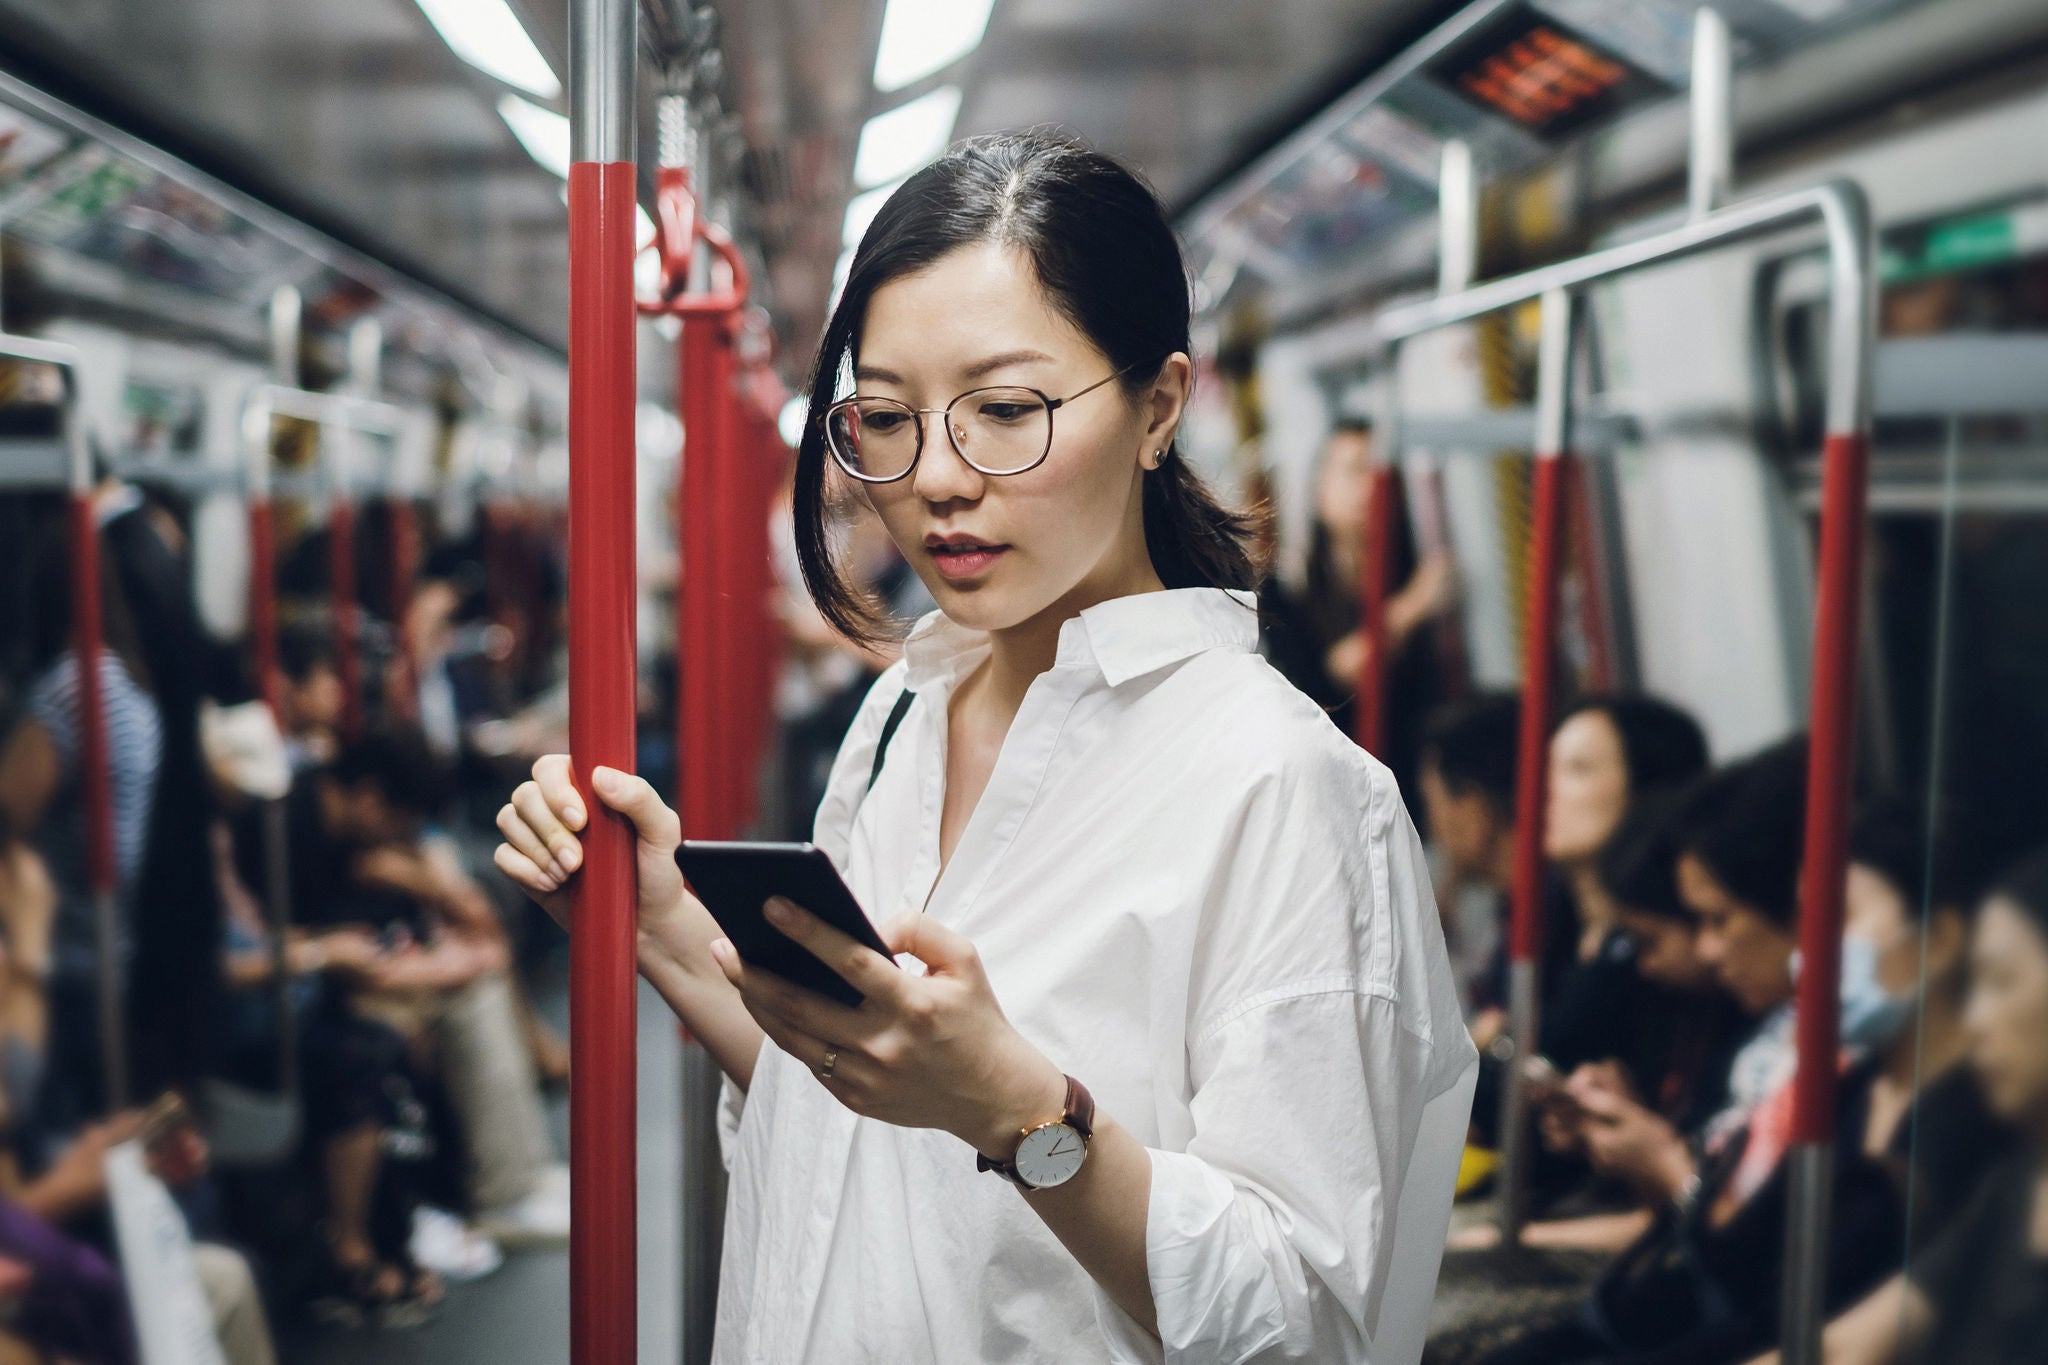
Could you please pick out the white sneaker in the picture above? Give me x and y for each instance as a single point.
(441, 1243)
(539, 1220)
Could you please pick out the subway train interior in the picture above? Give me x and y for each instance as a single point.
(1626, 421)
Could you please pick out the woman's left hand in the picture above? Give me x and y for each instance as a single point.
(930, 1051)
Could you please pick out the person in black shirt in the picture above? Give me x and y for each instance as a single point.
(1979, 1294)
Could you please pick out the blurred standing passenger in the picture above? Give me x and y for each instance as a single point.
(41, 795)
(1314, 634)
(1467, 782)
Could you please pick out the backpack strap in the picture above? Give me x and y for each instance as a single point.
(889, 727)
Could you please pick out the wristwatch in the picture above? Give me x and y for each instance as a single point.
(1051, 1153)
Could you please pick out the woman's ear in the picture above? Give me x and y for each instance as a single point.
(1165, 404)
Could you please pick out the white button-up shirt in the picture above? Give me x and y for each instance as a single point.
(1189, 890)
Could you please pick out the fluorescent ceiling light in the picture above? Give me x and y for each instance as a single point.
(487, 35)
(894, 144)
(860, 211)
(922, 36)
(543, 132)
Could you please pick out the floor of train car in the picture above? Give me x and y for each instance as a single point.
(520, 1314)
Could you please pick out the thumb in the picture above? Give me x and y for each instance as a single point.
(630, 795)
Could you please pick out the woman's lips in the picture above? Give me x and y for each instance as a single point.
(965, 561)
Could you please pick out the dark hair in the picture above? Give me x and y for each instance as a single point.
(400, 765)
(1890, 836)
(2026, 886)
(301, 649)
(1661, 745)
(1350, 425)
(1107, 259)
(1747, 824)
(1639, 865)
(1472, 743)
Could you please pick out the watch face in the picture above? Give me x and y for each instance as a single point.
(1050, 1155)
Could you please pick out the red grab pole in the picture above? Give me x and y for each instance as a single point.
(1376, 572)
(706, 756)
(1539, 667)
(603, 664)
(263, 656)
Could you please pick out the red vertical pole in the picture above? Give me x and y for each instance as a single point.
(1376, 571)
(1539, 671)
(729, 474)
(603, 665)
(1830, 759)
(1845, 478)
(698, 781)
(95, 784)
(403, 550)
(341, 592)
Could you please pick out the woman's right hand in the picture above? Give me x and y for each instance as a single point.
(543, 855)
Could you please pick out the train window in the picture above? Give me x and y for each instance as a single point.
(1955, 693)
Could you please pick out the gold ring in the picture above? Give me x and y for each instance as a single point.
(831, 1060)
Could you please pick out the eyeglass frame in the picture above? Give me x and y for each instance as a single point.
(917, 415)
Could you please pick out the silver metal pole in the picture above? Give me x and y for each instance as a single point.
(286, 308)
(1806, 1253)
(603, 50)
(1711, 162)
(366, 356)
(1457, 219)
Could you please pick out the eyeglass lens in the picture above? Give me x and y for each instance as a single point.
(998, 431)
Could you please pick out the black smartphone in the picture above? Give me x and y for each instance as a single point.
(735, 880)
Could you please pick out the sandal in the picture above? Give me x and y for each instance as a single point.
(354, 1296)
(419, 1301)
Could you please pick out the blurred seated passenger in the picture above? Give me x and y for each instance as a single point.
(1703, 1283)
(1979, 1293)
(1314, 634)
(309, 692)
(1466, 777)
(1605, 754)
(75, 1302)
(441, 981)
(359, 1104)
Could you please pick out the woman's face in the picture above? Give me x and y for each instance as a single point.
(1667, 950)
(1874, 910)
(1064, 535)
(2007, 1017)
(1747, 950)
(1588, 788)
(1341, 482)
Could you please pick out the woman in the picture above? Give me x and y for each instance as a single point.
(1124, 848)
(1980, 1293)
(1314, 636)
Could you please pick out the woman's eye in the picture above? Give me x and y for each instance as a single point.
(1005, 411)
(882, 423)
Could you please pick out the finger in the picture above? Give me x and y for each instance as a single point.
(864, 969)
(527, 844)
(807, 1010)
(556, 778)
(523, 870)
(632, 797)
(565, 854)
(940, 949)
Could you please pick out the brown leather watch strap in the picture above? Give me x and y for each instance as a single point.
(1079, 1116)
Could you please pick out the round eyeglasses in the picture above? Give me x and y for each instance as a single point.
(1002, 430)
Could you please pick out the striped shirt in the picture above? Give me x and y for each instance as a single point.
(134, 753)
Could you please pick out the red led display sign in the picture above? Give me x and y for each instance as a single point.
(1532, 70)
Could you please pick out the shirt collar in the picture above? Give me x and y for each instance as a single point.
(1123, 638)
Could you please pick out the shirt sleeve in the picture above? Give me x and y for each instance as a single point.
(1271, 1236)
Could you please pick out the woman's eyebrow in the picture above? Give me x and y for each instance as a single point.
(876, 374)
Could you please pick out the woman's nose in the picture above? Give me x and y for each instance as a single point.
(941, 474)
